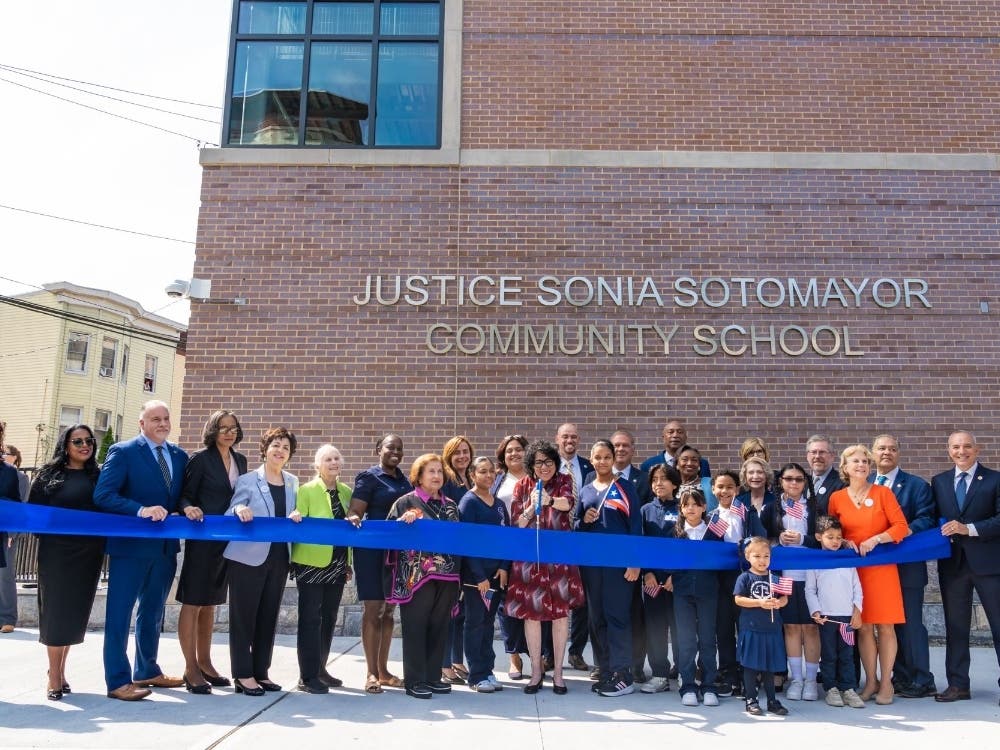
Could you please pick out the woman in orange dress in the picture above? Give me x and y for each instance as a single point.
(870, 516)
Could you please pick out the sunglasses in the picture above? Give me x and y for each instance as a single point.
(80, 442)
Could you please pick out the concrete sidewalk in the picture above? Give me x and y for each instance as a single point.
(175, 719)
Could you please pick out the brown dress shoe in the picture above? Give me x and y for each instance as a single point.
(576, 661)
(161, 681)
(952, 694)
(129, 692)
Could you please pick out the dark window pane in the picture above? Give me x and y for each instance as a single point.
(343, 18)
(267, 86)
(272, 18)
(407, 97)
(339, 91)
(410, 19)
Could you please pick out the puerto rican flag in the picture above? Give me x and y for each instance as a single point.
(616, 498)
(718, 526)
(781, 585)
(847, 633)
(795, 509)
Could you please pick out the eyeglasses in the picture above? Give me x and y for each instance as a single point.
(546, 462)
(793, 479)
(228, 430)
(79, 442)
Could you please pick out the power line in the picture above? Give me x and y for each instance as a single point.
(102, 325)
(111, 98)
(110, 88)
(87, 302)
(98, 226)
(199, 141)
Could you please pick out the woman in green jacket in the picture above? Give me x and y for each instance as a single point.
(320, 572)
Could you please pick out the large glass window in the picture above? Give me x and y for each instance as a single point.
(336, 74)
(149, 374)
(109, 353)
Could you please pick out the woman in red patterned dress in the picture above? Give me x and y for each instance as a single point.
(546, 591)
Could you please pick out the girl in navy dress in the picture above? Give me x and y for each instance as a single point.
(695, 604)
(761, 644)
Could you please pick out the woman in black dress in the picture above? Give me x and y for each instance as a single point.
(209, 480)
(69, 567)
(375, 490)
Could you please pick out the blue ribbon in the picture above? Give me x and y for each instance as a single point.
(504, 543)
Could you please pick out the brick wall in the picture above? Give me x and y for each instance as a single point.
(779, 76)
(299, 242)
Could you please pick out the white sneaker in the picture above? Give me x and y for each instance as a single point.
(710, 699)
(483, 686)
(794, 690)
(834, 698)
(655, 685)
(852, 699)
(689, 699)
(810, 691)
(497, 685)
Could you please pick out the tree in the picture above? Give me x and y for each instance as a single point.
(107, 441)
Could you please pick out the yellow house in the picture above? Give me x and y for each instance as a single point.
(72, 354)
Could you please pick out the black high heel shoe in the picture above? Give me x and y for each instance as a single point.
(271, 687)
(202, 689)
(54, 695)
(533, 687)
(217, 680)
(241, 688)
(559, 689)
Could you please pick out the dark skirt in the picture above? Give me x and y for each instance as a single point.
(368, 569)
(796, 612)
(762, 650)
(204, 578)
(69, 569)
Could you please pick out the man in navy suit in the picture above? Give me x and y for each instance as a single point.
(675, 437)
(578, 467)
(967, 499)
(823, 462)
(140, 477)
(912, 671)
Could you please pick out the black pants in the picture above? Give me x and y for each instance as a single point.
(957, 584)
(478, 631)
(660, 624)
(579, 629)
(727, 617)
(836, 666)
(318, 606)
(609, 597)
(425, 620)
(638, 631)
(254, 601)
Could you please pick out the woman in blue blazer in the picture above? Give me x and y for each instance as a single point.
(258, 570)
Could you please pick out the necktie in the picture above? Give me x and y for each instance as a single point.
(882, 480)
(568, 468)
(164, 469)
(960, 490)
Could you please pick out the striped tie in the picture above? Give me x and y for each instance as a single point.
(164, 469)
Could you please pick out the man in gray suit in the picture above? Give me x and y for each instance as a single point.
(823, 462)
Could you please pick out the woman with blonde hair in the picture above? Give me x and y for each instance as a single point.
(870, 515)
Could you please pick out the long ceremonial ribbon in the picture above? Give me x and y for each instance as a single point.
(504, 543)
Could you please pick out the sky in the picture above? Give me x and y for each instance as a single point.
(60, 159)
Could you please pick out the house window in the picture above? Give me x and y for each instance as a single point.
(109, 353)
(102, 421)
(76, 352)
(336, 74)
(119, 424)
(125, 352)
(69, 416)
(149, 374)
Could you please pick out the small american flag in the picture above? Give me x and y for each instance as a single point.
(781, 585)
(739, 509)
(847, 633)
(651, 590)
(795, 510)
(718, 526)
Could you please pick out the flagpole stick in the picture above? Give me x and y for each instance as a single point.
(770, 592)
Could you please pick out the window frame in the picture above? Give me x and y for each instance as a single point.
(79, 416)
(85, 338)
(307, 40)
(146, 377)
(108, 371)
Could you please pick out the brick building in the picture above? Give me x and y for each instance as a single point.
(771, 218)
